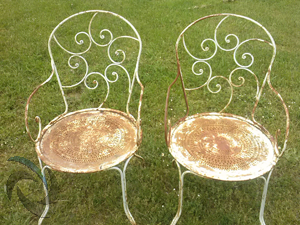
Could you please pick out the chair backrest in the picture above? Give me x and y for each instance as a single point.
(220, 54)
(95, 50)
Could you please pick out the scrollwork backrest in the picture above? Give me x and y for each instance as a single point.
(86, 53)
(92, 53)
(212, 45)
(211, 61)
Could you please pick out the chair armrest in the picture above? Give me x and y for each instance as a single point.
(280, 153)
(140, 134)
(167, 123)
(37, 118)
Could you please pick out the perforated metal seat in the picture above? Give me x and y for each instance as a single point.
(88, 140)
(223, 147)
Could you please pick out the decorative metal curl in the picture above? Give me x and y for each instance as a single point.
(242, 79)
(81, 41)
(78, 42)
(240, 66)
(95, 81)
(205, 49)
(200, 73)
(118, 51)
(103, 36)
(116, 75)
(219, 88)
(107, 36)
(76, 66)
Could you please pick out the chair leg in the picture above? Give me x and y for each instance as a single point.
(264, 196)
(180, 193)
(46, 195)
(124, 191)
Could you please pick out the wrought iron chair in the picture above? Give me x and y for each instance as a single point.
(92, 53)
(217, 142)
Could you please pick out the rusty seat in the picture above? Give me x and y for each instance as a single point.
(219, 137)
(93, 53)
(223, 147)
(88, 140)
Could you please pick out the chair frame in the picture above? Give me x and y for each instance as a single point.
(170, 127)
(107, 80)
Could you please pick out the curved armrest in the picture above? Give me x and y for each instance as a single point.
(138, 119)
(280, 153)
(139, 113)
(166, 121)
(37, 118)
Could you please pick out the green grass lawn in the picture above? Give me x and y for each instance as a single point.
(153, 183)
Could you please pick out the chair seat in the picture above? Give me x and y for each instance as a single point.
(88, 140)
(223, 147)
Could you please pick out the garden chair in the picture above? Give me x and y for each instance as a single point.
(93, 53)
(224, 66)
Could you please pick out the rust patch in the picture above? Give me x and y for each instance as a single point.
(88, 140)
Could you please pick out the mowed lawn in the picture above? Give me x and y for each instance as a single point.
(153, 182)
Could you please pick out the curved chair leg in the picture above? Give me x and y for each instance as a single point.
(180, 197)
(124, 191)
(264, 196)
(46, 193)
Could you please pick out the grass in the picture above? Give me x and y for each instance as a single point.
(152, 185)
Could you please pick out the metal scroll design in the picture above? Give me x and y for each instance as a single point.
(203, 63)
(77, 60)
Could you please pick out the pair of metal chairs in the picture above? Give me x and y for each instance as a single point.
(214, 145)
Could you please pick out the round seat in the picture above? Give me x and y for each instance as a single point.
(222, 146)
(88, 140)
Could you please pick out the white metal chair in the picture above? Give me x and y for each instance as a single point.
(217, 142)
(87, 50)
